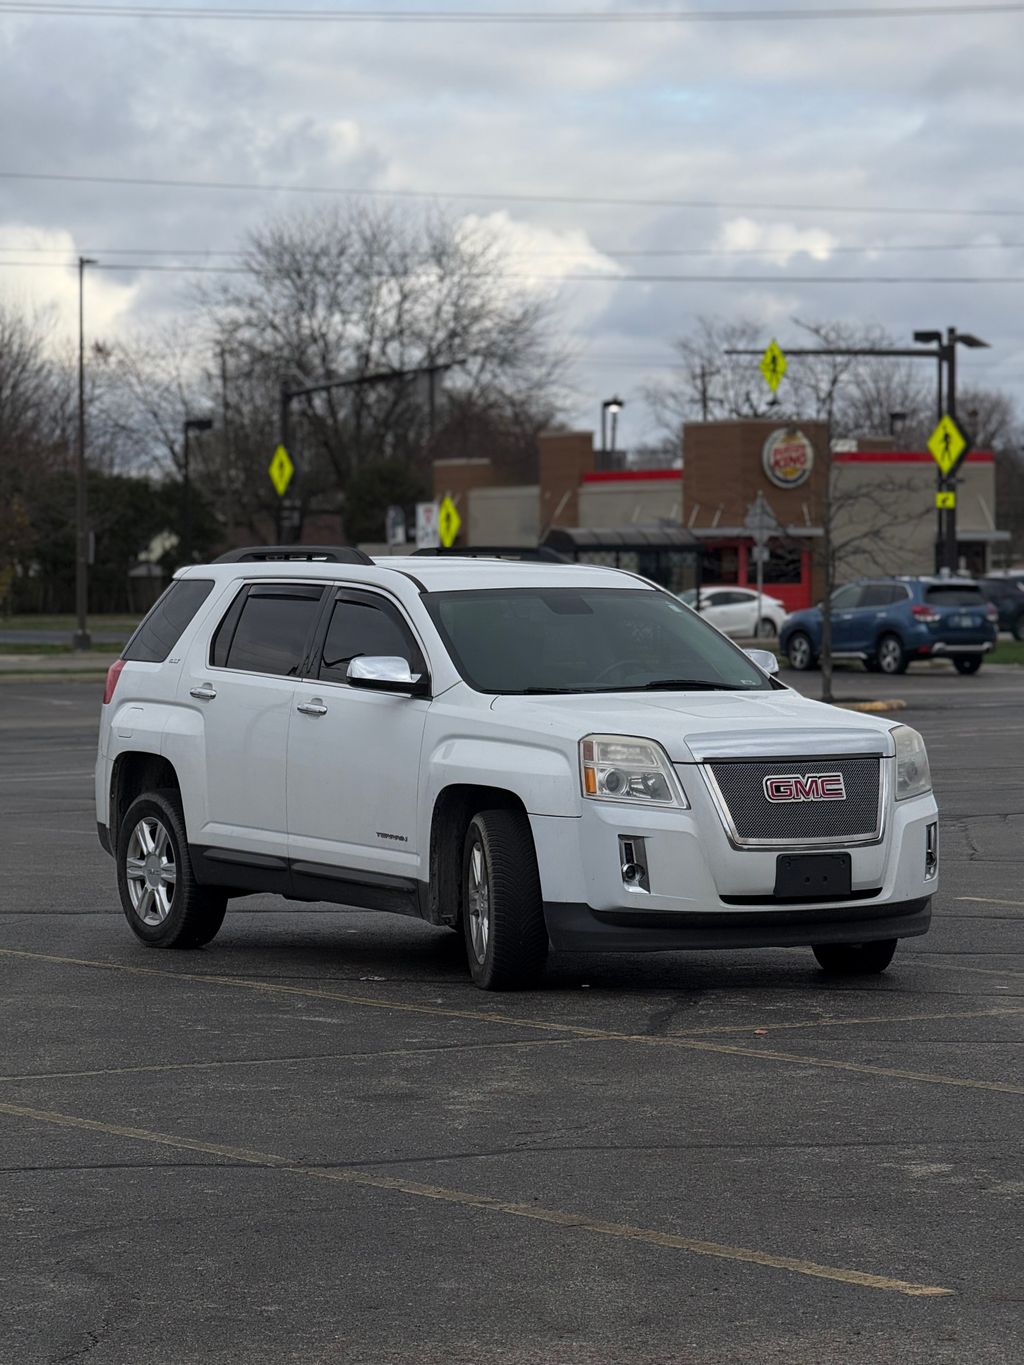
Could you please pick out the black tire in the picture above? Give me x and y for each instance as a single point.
(891, 656)
(800, 652)
(855, 959)
(872, 665)
(193, 913)
(508, 952)
(967, 663)
(765, 629)
(1018, 627)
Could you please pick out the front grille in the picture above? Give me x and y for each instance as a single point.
(752, 819)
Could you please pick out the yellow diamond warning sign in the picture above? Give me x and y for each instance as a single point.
(947, 444)
(281, 470)
(448, 522)
(773, 365)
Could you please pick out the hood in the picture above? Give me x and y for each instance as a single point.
(695, 726)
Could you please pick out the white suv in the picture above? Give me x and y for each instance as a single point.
(538, 755)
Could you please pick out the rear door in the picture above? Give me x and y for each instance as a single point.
(240, 691)
(354, 754)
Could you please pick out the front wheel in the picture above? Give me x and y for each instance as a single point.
(162, 901)
(855, 959)
(969, 663)
(799, 652)
(502, 908)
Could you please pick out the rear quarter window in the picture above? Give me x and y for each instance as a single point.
(165, 624)
(954, 595)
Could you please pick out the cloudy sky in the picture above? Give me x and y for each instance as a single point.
(779, 152)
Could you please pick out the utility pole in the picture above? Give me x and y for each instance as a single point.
(190, 424)
(81, 638)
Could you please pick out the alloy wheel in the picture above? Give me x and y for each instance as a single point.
(478, 901)
(151, 871)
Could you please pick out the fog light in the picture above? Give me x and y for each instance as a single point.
(633, 863)
(931, 852)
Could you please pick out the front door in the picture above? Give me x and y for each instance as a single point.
(354, 754)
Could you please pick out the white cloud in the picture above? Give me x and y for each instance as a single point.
(36, 274)
(779, 242)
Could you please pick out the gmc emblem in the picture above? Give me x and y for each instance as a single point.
(810, 787)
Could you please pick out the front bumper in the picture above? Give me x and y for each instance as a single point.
(701, 891)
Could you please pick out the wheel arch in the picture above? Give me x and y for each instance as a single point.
(136, 771)
(454, 807)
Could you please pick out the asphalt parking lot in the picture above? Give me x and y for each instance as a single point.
(315, 1141)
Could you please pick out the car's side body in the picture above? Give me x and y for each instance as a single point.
(736, 611)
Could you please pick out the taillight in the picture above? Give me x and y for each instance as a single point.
(928, 616)
(991, 611)
(113, 673)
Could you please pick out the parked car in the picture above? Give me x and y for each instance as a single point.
(1007, 596)
(890, 622)
(531, 754)
(734, 611)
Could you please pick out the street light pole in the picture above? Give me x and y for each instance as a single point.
(613, 406)
(81, 638)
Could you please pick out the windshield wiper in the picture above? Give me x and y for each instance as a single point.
(686, 685)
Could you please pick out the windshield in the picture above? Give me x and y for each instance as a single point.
(522, 640)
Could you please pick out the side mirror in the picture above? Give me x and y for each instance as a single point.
(765, 660)
(386, 673)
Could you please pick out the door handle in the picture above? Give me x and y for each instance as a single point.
(312, 708)
(205, 692)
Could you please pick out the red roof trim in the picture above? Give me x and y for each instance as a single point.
(903, 457)
(632, 475)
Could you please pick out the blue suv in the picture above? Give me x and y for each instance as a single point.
(890, 622)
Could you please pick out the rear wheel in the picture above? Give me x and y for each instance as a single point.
(968, 663)
(162, 901)
(855, 959)
(1018, 627)
(799, 652)
(765, 629)
(891, 656)
(502, 907)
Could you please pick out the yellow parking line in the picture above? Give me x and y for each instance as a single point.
(290, 1061)
(770, 1027)
(546, 1026)
(484, 1203)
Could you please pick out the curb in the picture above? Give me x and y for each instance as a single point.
(873, 707)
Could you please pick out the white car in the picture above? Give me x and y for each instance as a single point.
(533, 754)
(736, 612)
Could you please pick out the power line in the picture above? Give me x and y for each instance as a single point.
(501, 197)
(567, 253)
(534, 277)
(63, 9)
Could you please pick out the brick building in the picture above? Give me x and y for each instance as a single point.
(883, 516)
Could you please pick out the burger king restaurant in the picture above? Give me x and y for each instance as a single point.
(750, 489)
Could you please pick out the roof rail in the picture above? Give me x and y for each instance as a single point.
(542, 553)
(263, 554)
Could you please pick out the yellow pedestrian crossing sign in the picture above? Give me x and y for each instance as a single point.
(947, 444)
(281, 470)
(448, 522)
(773, 365)
(945, 499)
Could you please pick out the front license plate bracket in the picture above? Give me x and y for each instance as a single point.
(813, 876)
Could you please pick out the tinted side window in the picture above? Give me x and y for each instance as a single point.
(877, 595)
(954, 595)
(365, 628)
(164, 626)
(272, 631)
(846, 597)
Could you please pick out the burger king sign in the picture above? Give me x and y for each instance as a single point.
(788, 458)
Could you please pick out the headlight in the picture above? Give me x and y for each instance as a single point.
(913, 775)
(621, 768)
